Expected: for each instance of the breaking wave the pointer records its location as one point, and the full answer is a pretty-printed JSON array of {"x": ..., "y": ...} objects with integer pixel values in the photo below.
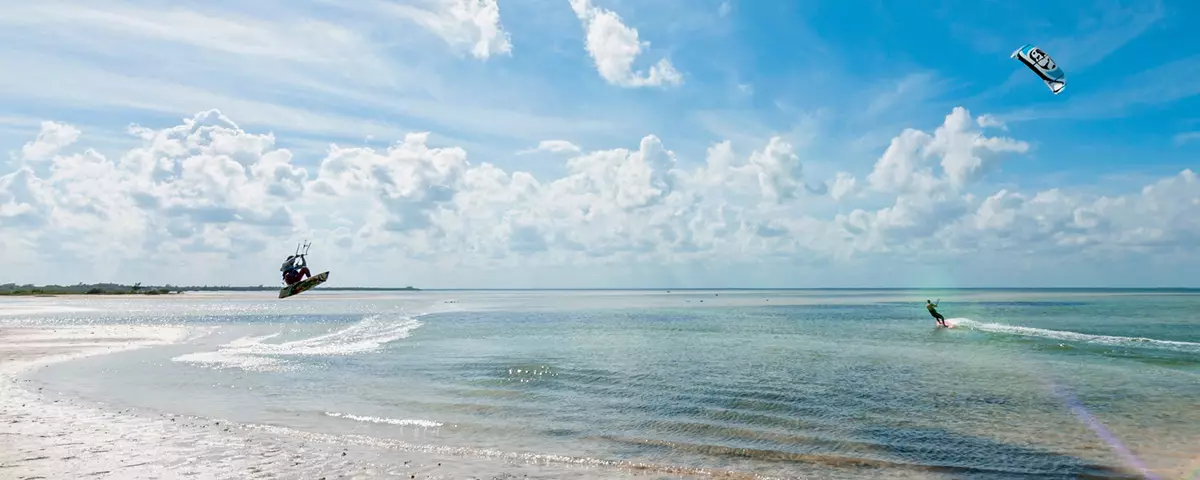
[
  {"x": 389, "y": 421},
  {"x": 253, "y": 353}
]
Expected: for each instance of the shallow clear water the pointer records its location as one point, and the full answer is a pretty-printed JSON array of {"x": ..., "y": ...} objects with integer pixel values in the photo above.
[{"x": 770, "y": 382}]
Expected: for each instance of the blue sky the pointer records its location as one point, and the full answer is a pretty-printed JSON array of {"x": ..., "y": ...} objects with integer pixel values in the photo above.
[{"x": 835, "y": 81}]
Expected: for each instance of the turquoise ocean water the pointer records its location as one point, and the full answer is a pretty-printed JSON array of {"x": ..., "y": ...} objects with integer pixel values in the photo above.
[{"x": 810, "y": 383}]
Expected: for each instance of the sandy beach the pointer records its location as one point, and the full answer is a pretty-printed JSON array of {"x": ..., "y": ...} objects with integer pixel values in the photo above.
[
  {"x": 53, "y": 438},
  {"x": 46, "y": 437}
]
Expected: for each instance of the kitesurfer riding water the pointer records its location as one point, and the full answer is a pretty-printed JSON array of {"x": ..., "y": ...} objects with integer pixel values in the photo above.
[
  {"x": 932, "y": 307},
  {"x": 292, "y": 272},
  {"x": 296, "y": 276}
]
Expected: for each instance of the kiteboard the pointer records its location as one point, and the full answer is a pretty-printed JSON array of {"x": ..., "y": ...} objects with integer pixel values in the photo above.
[
  {"x": 949, "y": 324},
  {"x": 304, "y": 285}
]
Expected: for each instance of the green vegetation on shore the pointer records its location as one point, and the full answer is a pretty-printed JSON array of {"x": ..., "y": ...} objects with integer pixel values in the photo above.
[{"x": 139, "y": 289}]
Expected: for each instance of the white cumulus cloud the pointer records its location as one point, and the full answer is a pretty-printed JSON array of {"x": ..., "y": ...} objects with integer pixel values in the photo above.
[
  {"x": 555, "y": 146},
  {"x": 614, "y": 47},
  {"x": 53, "y": 137},
  {"x": 207, "y": 201}
]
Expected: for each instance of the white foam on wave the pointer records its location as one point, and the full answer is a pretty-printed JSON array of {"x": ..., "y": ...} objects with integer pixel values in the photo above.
[
  {"x": 389, "y": 421},
  {"x": 1065, "y": 335},
  {"x": 253, "y": 353}
]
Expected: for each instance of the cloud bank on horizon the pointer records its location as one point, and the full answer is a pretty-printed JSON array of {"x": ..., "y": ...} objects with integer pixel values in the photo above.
[{"x": 598, "y": 143}]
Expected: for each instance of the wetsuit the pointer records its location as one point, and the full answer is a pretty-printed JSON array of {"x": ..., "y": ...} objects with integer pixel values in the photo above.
[
  {"x": 293, "y": 273},
  {"x": 933, "y": 311}
]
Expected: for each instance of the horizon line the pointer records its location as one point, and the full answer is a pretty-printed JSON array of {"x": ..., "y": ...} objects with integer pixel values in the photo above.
[
  {"x": 457, "y": 289},
  {"x": 683, "y": 289},
  {"x": 528, "y": 289}
]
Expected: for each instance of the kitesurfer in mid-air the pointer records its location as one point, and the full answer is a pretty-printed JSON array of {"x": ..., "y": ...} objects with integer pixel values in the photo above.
[
  {"x": 932, "y": 307},
  {"x": 293, "y": 272}
]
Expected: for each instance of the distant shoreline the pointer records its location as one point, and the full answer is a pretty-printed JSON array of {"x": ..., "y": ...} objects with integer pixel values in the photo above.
[
  {"x": 828, "y": 289},
  {"x": 30, "y": 290},
  {"x": 12, "y": 289}
]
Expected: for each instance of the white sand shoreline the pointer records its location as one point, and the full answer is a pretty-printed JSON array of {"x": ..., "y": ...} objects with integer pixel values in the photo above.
[{"x": 46, "y": 437}]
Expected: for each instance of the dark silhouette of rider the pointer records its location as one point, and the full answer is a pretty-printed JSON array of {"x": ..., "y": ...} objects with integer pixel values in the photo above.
[
  {"x": 293, "y": 272},
  {"x": 932, "y": 307}
]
